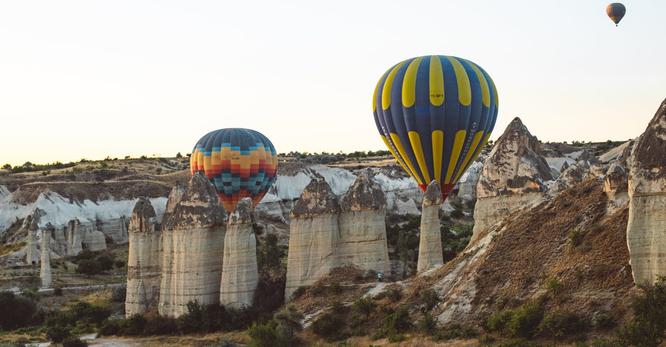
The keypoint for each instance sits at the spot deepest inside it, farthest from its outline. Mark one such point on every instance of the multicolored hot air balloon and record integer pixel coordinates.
(239, 162)
(435, 114)
(616, 11)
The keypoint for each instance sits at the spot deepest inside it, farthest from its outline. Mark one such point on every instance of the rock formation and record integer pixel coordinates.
(31, 255)
(240, 274)
(193, 245)
(430, 237)
(646, 229)
(363, 227)
(116, 229)
(91, 239)
(144, 260)
(313, 235)
(60, 239)
(513, 177)
(45, 266)
(615, 184)
(74, 242)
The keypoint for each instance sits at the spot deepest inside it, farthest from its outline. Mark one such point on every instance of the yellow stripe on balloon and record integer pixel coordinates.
(395, 155)
(437, 151)
(495, 97)
(403, 155)
(485, 91)
(436, 81)
(415, 140)
(409, 83)
(458, 143)
(386, 91)
(374, 95)
(470, 153)
(464, 88)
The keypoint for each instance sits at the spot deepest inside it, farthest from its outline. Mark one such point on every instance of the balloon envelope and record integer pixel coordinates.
(239, 162)
(435, 114)
(616, 11)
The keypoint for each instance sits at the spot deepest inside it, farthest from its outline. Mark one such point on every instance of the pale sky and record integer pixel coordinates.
(90, 79)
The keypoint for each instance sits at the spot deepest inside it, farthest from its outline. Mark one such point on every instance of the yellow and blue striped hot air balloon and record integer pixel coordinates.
(435, 114)
(239, 162)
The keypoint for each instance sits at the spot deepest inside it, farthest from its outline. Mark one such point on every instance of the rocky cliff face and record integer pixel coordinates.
(363, 227)
(144, 260)
(193, 246)
(430, 237)
(513, 177)
(646, 229)
(313, 235)
(240, 274)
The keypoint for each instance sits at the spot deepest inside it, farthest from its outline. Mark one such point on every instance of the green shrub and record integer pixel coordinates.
(269, 254)
(575, 237)
(263, 335)
(554, 287)
(498, 321)
(23, 311)
(363, 307)
(525, 320)
(427, 325)
(134, 325)
(74, 342)
(562, 324)
(602, 320)
(522, 321)
(88, 267)
(57, 334)
(649, 323)
(111, 327)
(429, 298)
(398, 322)
(331, 324)
(394, 294)
(279, 331)
(160, 325)
(456, 331)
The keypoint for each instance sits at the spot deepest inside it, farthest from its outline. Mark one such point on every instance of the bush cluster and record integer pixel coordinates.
(22, 311)
(522, 321)
(279, 331)
(93, 263)
(648, 327)
(79, 318)
(198, 319)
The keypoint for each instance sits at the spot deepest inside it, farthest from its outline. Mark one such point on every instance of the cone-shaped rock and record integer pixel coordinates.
(45, 255)
(313, 235)
(430, 236)
(646, 229)
(193, 246)
(512, 177)
(30, 226)
(144, 260)
(363, 227)
(239, 268)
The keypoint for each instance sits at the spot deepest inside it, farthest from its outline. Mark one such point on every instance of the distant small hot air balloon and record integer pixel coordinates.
(239, 162)
(435, 114)
(616, 11)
